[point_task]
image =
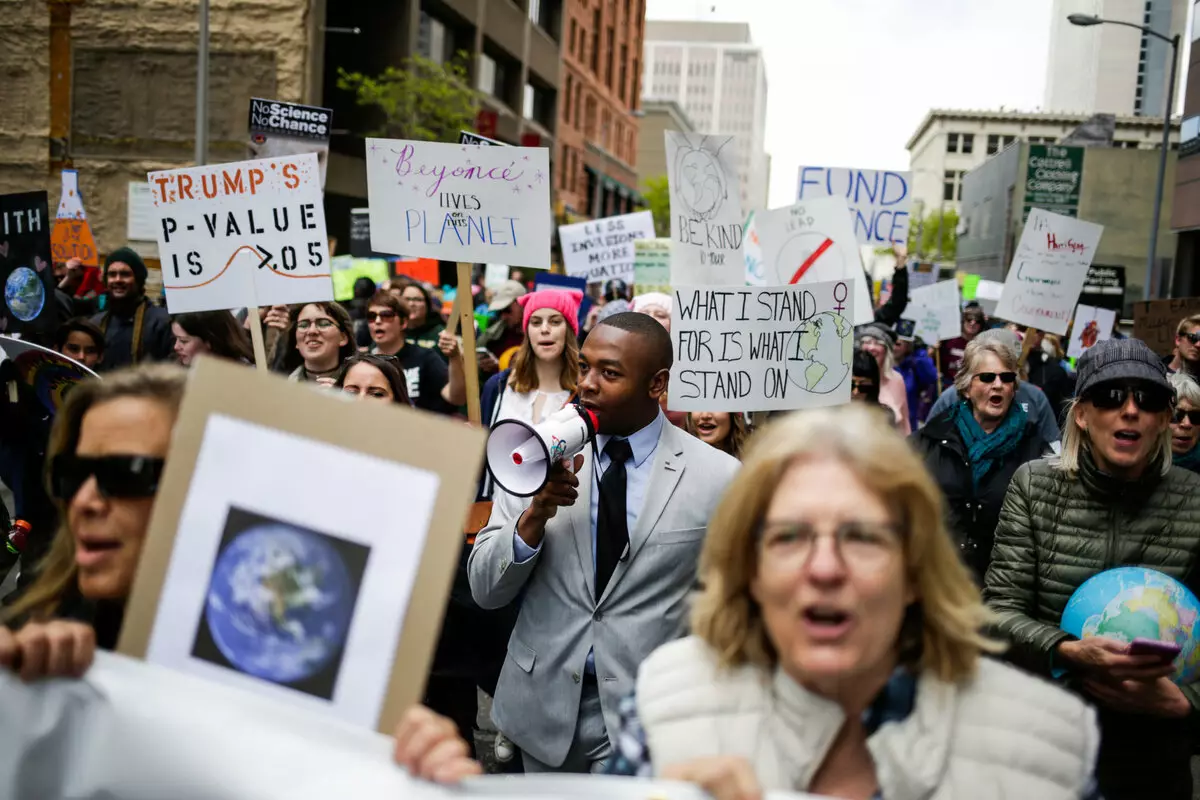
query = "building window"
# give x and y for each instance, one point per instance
(535, 11)
(596, 42)
(538, 105)
(574, 31)
(610, 54)
(486, 80)
(575, 103)
(567, 98)
(952, 143)
(952, 186)
(432, 40)
(635, 101)
(624, 74)
(968, 142)
(993, 144)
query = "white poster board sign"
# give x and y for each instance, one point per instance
(603, 249)
(1092, 325)
(936, 311)
(242, 234)
(706, 210)
(879, 201)
(813, 242)
(773, 348)
(1048, 271)
(459, 202)
(752, 254)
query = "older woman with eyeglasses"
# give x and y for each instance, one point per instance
(973, 448)
(1185, 422)
(836, 646)
(1112, 499)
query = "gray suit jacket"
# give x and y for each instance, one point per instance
(643, 606)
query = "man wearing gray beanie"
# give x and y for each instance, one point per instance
(135, 330)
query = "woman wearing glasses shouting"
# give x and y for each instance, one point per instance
(1113, 499)
(973, 448)
(106, 457)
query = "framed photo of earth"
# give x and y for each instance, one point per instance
(291, 536)
(25, 268)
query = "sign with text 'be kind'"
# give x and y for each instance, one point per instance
(1048, 271)
(460, 202)
(879, 201)
(603, 249)
(706, 210)
(242, 234)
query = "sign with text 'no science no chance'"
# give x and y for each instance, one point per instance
(768, 348)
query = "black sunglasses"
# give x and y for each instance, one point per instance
(1194, 338)
(1151, 399)
(387, 313)
(1192, 416)
(990, 377)
(116, 476)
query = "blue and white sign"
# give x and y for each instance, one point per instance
(879, 201)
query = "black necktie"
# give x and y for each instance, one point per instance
(612, 528)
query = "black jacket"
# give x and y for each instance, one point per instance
(971, 516)
(1049, 376)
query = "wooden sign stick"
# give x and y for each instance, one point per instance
(466, 318)
(937, 363)
(256, 338)
(1026, 345)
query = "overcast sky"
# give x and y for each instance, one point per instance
(848, 81)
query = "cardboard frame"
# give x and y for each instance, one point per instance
(400, 435)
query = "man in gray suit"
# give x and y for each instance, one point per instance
(601, 566)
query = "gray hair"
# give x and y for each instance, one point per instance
(1186, 388)
(1075, 439)
(977, 349)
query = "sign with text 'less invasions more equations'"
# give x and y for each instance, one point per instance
(1048, 271)
(879, 201)
(706, 210)
(770, 348)
(246, 233)
(603, 248)
(459, 202)
(652, 266)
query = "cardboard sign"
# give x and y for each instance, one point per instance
(652, 266)
(280, 129)
(1091, 326)
(1048, 271)
(814, 242)
(936, 310)
(25, 264)
(879, 201)
(774, 348)
(706, 210)
(246, 233)
(1155, 322)
(455, 202)
(72, 236)
(141, 220)
(603, 248)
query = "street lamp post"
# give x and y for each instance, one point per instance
(1086, 20)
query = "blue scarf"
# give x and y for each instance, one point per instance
(1189, 460)
(985, 450)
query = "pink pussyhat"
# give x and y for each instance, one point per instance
(564, 301)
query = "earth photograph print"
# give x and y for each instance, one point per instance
(280, 602)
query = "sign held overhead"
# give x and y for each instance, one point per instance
(603, 249)
(879, 201)
(706, 210)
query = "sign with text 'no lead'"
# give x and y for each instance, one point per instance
(460, 202)
(603, 249)
(246, 233)
(770, 348)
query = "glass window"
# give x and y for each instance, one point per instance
(432, 42)
(993, 144)
(535, 11)
(948, 186)
(527, 105)
(952, 143)
(486, 81)
(968, 142)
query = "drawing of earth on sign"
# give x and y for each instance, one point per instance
(24, 294)
(825, 349)
(806, 251)
(701, 181)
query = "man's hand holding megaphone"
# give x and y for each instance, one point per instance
(561, 489)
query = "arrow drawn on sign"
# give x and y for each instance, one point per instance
(812, 259)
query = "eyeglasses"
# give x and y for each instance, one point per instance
(859, 544)
(1192, 416)
(861, 386)
(116, 476)
(321, 324)
(990, 377)
(387, 313)
(1151, 399)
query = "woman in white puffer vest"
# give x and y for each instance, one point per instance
(837, 646)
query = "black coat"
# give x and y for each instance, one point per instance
(972, 517)
(1057, 384)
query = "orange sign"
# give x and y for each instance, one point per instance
(421, 269)
(72, 238)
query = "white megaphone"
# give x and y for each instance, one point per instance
(520, 456)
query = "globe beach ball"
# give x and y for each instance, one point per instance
(1130, 603)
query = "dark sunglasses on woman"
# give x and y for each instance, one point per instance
(1192, 416)
(990, 377)
(1151, 399)
(387, 313)
(116, 476)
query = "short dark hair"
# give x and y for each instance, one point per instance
(658, 341)
(389, 300)
(78, 325)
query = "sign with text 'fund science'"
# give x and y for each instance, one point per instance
(879, 201)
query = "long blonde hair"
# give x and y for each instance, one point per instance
(1075, 440)
(948, 615)
(57, 571)
(735, 441)
(523, 377)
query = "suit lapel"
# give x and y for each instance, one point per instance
(580, 516)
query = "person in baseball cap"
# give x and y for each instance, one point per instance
(504, 332)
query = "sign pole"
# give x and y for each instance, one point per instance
(256, 338)
(1026, 346)
(466, 318)
(937, 363)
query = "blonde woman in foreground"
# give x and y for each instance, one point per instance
(836, 647)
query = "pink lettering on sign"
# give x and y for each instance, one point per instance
(405, 167)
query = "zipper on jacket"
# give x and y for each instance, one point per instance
(1112, 538)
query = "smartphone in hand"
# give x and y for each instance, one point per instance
(1153, 647)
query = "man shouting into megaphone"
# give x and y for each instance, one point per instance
(602, 557)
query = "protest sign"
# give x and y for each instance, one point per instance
(936, 310)
(494, 275)
(348, 269)
(462, 203)
(603, 248)
(466, 137)
(72, 236)
(970, 285)
(706, 210)
(279, 129)
(360, 235)
(752, 253)
(879, 201)
(25, 264)
(1048, 271)
(920, 275)
(814, 242)
(652, 266)
(1156, 321)
(247, 233)
(1091, 325)
(773, 348)
(141, 221)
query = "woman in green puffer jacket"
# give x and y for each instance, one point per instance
(1112, 499)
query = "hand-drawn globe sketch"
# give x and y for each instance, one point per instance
(702, 184)
(24, 294)
(826, 346)
(797, 251)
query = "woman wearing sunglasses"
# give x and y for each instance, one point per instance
(320, 338)
(1185, 422)
(973, 448)
(367, 376)
(106, 457)
(1112, 499)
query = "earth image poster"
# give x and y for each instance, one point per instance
(25, 263)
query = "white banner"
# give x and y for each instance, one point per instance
(460, 202)
(706, 210)
(936, 310)
(774, 348)
(1091, 326)
(603, 248)
(1048, 271)
(879, 201)
(242, 234)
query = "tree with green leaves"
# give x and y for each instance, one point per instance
(424, 100)
(658, 200)
(923, 236)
